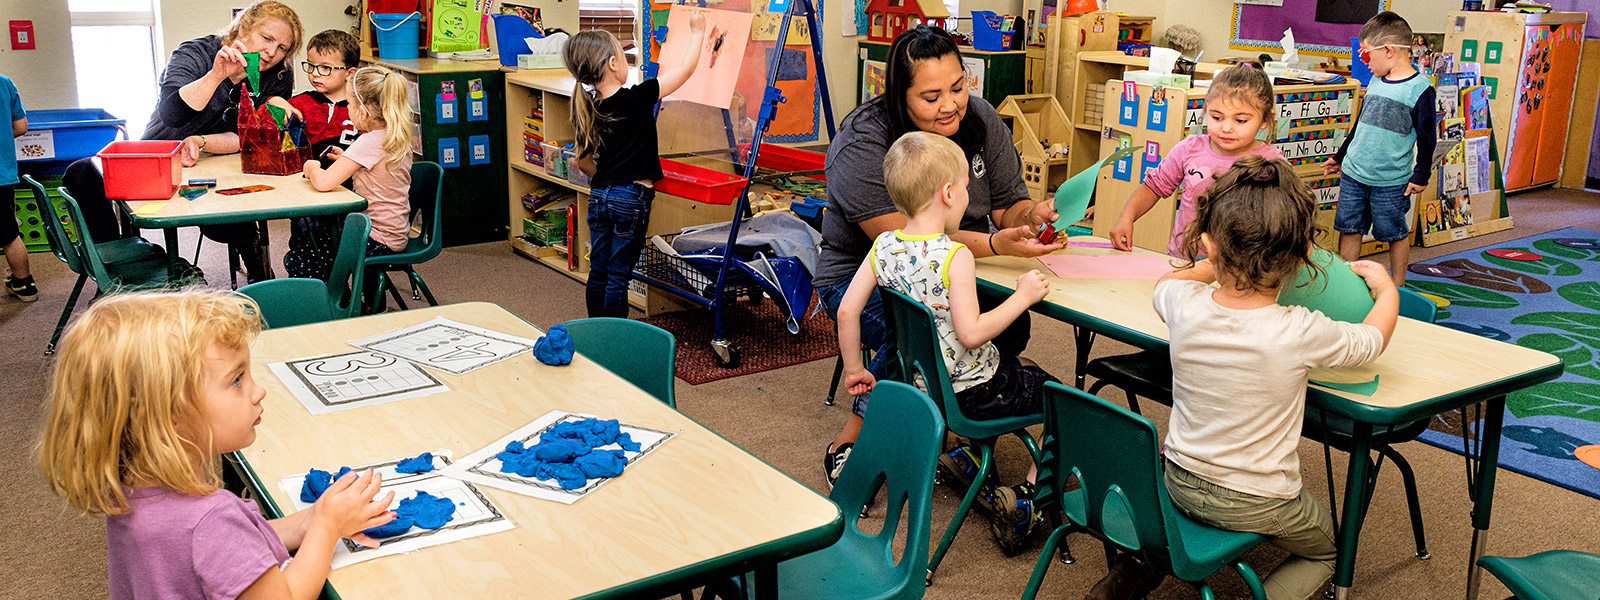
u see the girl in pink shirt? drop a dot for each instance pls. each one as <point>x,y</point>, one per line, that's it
<point>148,389</point>
<point>379,161</point>
<point>1238,107</point>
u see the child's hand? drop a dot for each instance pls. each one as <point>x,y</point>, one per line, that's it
<point>1043,212</point>
<point>1412,188</point>
<point>859,383</point>
<point>1032,286</point>
<point>1122,235</point>
<point>284,104</point>
<point>1376,276</point>
<point>1330,167</point>
<point>333,152</point>
<point>697,22</point>
<point>349,507</point>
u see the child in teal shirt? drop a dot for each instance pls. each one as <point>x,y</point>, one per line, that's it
<point>19,282</point>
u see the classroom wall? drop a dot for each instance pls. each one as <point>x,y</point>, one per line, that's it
<point>184,20</point>
<point>1214,19</point>
<point>45,76</point>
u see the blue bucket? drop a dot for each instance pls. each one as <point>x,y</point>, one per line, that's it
<point>399,34</point>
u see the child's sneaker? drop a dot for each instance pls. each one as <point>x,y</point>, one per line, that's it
<point>959,467</point>
<point>1014,519</point>
<point>22,288</point>
<point>833,462</point>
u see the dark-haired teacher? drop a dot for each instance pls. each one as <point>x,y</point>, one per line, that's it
<point>926,91</point>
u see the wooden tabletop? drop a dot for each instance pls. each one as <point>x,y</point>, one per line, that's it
<point>292,196</point>
<point>693,502</point>
<point>1425,366</point>
<point>429,64</point>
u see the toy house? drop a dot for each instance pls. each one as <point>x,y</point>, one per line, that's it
<point>887,18</point>
<point>1040,131</point>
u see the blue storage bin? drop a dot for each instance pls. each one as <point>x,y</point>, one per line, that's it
<point>77,132</point>
<point>511,33</point>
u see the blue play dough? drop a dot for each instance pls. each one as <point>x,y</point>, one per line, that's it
<point>422,510</point>
<point>399,525</point>
<point>555,347</point>
<point>568,452</point>
<point>317,482</point>
<point>421,464</point>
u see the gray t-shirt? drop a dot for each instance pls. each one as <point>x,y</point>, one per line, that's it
<point>856,192</point>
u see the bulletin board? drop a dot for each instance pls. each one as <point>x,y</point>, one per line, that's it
<point>796,120</point>
<point>1321,27</point>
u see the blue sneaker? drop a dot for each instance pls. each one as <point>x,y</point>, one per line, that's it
<point>1014,519</point>
<point>959,467</point>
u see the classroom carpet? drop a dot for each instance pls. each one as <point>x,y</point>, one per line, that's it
<point>756,329</point>
<point>1540,292</point>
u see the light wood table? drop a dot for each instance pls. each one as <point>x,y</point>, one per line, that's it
<point>696,509</point>
<point>291,196</point>
<point>1426,370</point>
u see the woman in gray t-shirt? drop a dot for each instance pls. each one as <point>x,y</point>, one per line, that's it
<point>926,91</point>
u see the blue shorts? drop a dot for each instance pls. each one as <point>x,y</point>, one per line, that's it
<point>1383,209</point>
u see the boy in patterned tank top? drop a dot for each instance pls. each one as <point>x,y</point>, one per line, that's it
<point>926,177</point>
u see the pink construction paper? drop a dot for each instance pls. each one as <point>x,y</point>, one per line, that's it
<point>1090,244</point>
<point>1107,266</point>
<point>713,81</point>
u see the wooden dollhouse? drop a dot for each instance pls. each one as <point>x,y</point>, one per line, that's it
<point>1040,130</point>
<point>887,18</point>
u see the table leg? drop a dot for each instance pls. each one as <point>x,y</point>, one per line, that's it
<point>1084,342</point>
<point>171,235</point>
<point>1483,492</point>
<point>766,582</point>
<point>1356,485</point>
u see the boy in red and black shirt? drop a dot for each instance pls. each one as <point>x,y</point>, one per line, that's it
<point>331,59</point>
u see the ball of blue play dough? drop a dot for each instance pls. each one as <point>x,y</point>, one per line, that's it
<point>1338,292</point>
<point>422,463</point>
<point>555,347</point>
<point>317,482</point>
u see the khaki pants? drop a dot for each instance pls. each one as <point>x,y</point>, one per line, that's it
<point>1300,525</point>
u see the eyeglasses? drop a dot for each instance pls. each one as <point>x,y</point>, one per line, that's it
<point>323,70</point>
<point>1366,53</point>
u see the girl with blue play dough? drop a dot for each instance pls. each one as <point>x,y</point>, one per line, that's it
<point>147,390</point>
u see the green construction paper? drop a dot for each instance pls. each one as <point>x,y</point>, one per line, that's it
<point>1339,293</point>
<point>1074,195</point>
<point>252,70</point>
<point>1364,388</point>
<point>278,115</point>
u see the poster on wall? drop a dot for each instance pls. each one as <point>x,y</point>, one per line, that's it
<point>872,79</point>
<point>1257,27</point>
<point>974,67</point>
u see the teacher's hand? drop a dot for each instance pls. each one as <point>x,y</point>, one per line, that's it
<point>230,62</point>
<point>1021,241</point>
<point>190,152</point>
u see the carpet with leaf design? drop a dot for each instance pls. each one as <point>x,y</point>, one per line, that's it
<point>1540,292</point>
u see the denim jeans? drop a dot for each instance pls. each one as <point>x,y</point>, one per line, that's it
<point>618,216</point>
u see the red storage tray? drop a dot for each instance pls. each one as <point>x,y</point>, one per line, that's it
<point>785,159</point>
<point>699,183</point>
<point>141,170</point>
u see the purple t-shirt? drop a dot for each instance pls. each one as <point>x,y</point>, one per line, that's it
<point>1192,163</point>
<point>171,545</point>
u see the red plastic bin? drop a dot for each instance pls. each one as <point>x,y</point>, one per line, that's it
<point>699,183</point>
<point>785,159</point>
<point>141,170</point>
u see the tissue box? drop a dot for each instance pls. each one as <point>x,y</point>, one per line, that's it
<point>539,61</point>
<point>1145,77</point>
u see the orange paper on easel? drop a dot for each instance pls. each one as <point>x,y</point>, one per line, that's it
<point>721,58</point>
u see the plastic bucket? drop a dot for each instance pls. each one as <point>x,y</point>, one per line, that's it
<point>141,170</point>
<point>399,34</point>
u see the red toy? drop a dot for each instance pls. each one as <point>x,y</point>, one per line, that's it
<point>264,148</point>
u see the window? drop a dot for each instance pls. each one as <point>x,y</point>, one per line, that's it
<point>113,49</point>
<point>615,16</point>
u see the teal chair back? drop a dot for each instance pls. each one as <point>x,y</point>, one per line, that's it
<point>290,301</point>
<point>54,231</point>
<point>84,247</point>
<point>1416,306</point>
<point>1548,575</point>
<point>427,199</point>
<point>641,353</point>
<point>1122,496</point>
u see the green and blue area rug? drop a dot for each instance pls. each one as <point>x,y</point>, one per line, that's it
<point>1540,292</point>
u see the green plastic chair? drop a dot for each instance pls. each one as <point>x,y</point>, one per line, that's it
<point>1122,497</point>
<point>1549,575</point>
<point>130,275</point>
<point>126,250</point>
<point>912,330</point>
<point>639,352</point>
<point>898,450</point>
<point>427,201</point>
<point>291,301</point>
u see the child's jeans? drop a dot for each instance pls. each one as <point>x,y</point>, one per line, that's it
<point>618,216</point>
<point>1300,525</point>
<point>1383,208</point>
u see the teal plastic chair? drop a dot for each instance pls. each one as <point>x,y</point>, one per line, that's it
<point>1549,575</point>
<point>1122,497</point>
<point>1339,432</point>
<point>126,250</point>
<point>130,274</point>
<point>291,301</point>
<point>427,203</point>
<point>912,330</point>
<point>639,352</point>
<point>898,450</point>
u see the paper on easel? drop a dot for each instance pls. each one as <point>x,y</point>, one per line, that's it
<point>1290,54</point>
<point>721,59</point>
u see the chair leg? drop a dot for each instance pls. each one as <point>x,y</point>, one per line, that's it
<point>380,284</point>
<point>1133,402</point>
<point>394,292</point>
<point>985,465</point>
<point>418,283</point>
<point>1257,591</point>
<point>1094,390</point>
<point>838,372</point>
<point>233,267</point>
<point>1040,566</point>
<point>66,313</point>
<point>1410,480</point>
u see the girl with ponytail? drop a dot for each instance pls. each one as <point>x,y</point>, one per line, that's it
<point>379,161</point>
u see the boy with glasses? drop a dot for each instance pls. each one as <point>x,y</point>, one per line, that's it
<point>331,60</point>
<point>1390,146</point>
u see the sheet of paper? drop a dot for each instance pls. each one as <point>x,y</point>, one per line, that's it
<point>721,60</point>
<point>1479,177</point>
<point>325,384</point>
<point>1073,197</point>
<point>483,468</point>
<point>1290,53</point>
<point>1107,266</point>
<point>449,346</point>
<point>475,514</point>
<point>149,208</point>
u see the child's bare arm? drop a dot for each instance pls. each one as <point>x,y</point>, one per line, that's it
<point>858,380</point>
<point>327,180</point>
<point>670,81</point>
<point>1385,298</point>
<point>346,508</point>
<point>1142,200</point>
<point>19,127</point>
<point>972,327</point>
<point>1202,271</point>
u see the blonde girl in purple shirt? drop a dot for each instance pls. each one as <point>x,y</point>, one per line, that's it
<point>1238,106</point>
<point>147,391</point>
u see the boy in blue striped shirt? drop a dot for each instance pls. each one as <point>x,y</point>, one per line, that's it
<point>1396,127</point>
